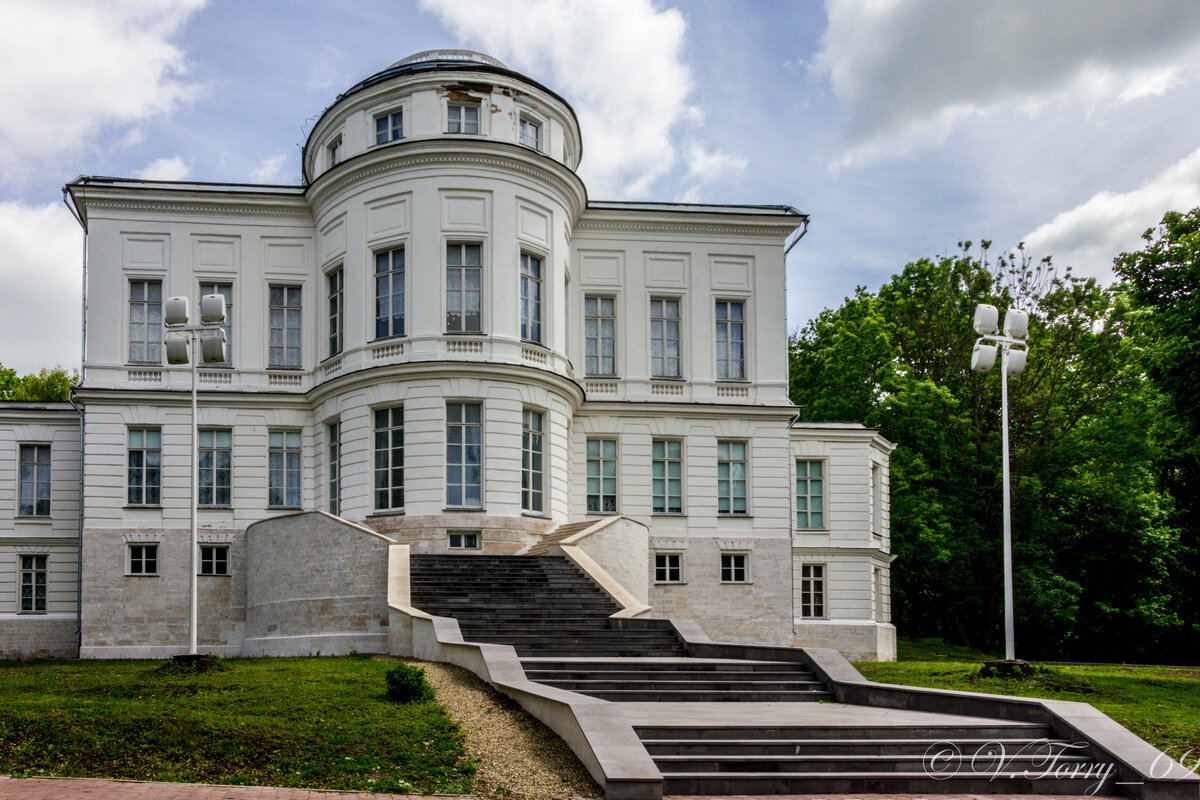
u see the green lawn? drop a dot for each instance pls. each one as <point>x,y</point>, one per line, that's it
<point>1159,704</point>
<point>312,722</point>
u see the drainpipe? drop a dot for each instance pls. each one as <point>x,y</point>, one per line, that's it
<point>79,410</point>
<point>792,524</point>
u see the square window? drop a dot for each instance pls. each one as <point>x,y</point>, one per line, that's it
<point>668,568</point>
<point>462,118</point>
<point>464,540</point>
<point>214,559</point>
<point>389,127</point>
<point>143,559</point>
<point>735,568</point>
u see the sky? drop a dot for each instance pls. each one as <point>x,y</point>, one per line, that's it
<point>901,127</point>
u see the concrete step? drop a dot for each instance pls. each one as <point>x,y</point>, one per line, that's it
<point>661,684</point>
<point>759,783</point>
<point>875,764</point>
<point>1006,730</point>
<point>845,747</point>
<point>689,695</point>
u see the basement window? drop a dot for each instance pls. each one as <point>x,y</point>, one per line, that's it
<point>464,540</point>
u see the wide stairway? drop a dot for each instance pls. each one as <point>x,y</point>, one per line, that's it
<point>541,605</point>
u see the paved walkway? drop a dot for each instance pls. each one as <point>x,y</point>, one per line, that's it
<point>96,789</point>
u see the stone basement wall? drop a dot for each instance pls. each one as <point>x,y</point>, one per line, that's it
<point>317,585</point>
<point>500,536</point>
<point>38,637</point>
<point>855,640</point>
<point>622,549</point>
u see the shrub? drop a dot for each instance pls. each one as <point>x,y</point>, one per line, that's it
<point>407,684</point>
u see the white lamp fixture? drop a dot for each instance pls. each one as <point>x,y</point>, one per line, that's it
<point>983,357</point>
<point>986,318</point>
<point>175,311</point>
<point>1016,324</point>
<point>212,309</point>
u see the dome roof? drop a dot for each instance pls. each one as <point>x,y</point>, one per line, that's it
<point>455,57</point>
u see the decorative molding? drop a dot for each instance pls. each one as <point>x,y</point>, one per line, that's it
<point>147,536</point>
<point>33,549</point>
<point>662,544</point>
<point>733,391</point>
<point>454,346</point>
<point>690,228</point>
<point>196,208</point>
<point>736,545</point>
<point>601,387</point>
<point>278,379</point>
<point>215,538</point>
<point>387,350</point>
<point>666,389</point>
<point>145,376</point>
<point>331,367</point>
<point>536,356</point>
<point>214,378</point>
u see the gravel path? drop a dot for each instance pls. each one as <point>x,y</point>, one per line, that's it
<point>518,756</point>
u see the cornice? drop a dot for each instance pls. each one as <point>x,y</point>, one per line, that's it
<point>773,231</point>
<point>182,397</point>
<point>176,206</point>
<point>651,408</point>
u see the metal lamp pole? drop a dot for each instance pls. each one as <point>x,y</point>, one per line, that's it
<point>182,350</point>
<point>1014,352</point>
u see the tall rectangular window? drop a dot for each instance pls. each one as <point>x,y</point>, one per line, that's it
<point>337,311</point>
<point>462,118</point>
<point>215,466</point>
<point>389,293</point>
<point>731,340</point>
<point>464,288</point>
<point>531,460</point>
<point>810,494</point>
<point>284,326</point>
<point>144,460</point>
<point>214,559</point>
<point>735,568</point>
<point>664,338</point>
<point>812,591</point>
<point>283,469</point>
<point>602,476</point>
<point>389,458</point>
<point>226,291</point>
<point>731,477</point>
<point>600,336</point>
<point>667,476</point>
<point>876,501</point>
<point>143,559</point>
<point>531,298</point>
<point>334,151</point>
<point>34,480</point>
<point>33,584</point>
<point>464,455</point>
<point>881,614</point>
<point>145,322</point>
<point>333,432</point>
<point>668,568</point>
<point>530,133</point>
<point>389,127</point>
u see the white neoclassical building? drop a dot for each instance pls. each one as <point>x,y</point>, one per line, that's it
<point>439,336</point>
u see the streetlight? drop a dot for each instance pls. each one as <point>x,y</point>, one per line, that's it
<point>983,357</point>
<point>181,350</point>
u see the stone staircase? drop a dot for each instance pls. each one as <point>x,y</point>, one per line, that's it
<point>561,533</point>
<point>541,605</point>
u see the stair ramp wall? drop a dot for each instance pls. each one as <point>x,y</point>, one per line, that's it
<point>613,551</point>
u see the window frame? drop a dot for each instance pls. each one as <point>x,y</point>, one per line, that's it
<point>601,459</point>
<point>599,337</point>
<point>463,443</point>
<point>397,285</point>
<point>462,106</point>
<point>286,308</point>
<point>728,325</point>
<point>392,454</point>
<point>733,567</point>
<point>214,450</point>
<point>333,449</point>
<point>533,500</point>
<point>147,304</point>
<point>389,118</point>
<point>876,491</point>
<point>286,451</point>
<point>808,497</point>
<point>524,121</point>
<point>462,538</point>
<point>667,460</point>
<point>814,595</point>
<point>333,151</point>
<point>531,297</point>
<point>38,566</point>
<point>335,298</point>
<point>144,484</point>
<point>662,373</point>
<point>148,552</point>
<point>227,325</point>
<point>462,290</point>
<point>38,466</point>
<point>213,561</point>
<point>662,572</point>
<point>731,496</point>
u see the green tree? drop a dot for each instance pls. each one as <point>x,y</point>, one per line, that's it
<point>44,385</point>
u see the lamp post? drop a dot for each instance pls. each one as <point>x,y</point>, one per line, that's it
<point>1014,351</point>
<point>181,350</point>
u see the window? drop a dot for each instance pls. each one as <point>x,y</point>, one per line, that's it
<point>668,568</point>
<point>143,559</point>
<point>34,493</point>
<point>33,584</point>
<point>667,476</point>
<point>600,336</point>
<point>215,465</point>
<point>880,599</point>
<point>810,494</point>
<point>602,476</point>
<point>464,540</point>
<point>226,291</point>
<point>334,149</point>
<point>464,288</point>
<point>337,311</point>
<point>284,326</point>
<point>530,133</point>
<point>461,118</point>
<point>531,461</point>
<point>389,127</point>
<point>145,467</point>
<point>389,293</point>
<point>664,338</point>
<point>735,568</point>
<point>812,591</point>
<point>145,322</point>
<point>389,458</point>
<point>214,559</point>
<point>731,340</point>
<point>464,455</point>
<point>731,477</point>
<point>283,469</point>
<point>531,298</point>
<point>876,501</point>
<point>334,431</point>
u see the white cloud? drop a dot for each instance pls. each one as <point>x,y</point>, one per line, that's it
<point>269,170</point>
<point>41,256</point>
<point>908,71</point>
<point>72,67</point>
<point>165,169</point>
<point>618,62</point>
<point>1089,236</point>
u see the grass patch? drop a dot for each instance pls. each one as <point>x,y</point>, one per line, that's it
<point>320,723</point>
<point>1159,704</point>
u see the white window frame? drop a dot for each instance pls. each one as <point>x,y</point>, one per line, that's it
<point>459,126</point>
<point>335,295</point>
<point>42,475</point>
<point>145,485</point>
<point>814,594</point>
<point>213,451</point>
<point>662,323</point>
<point>396,278</point>
<point>667,460</point>
<point>723,335</point>
<point>529,132</point>
<point>152,329</point>
<point>389,119</point>
<point>145,555</point>
<point>533,461</point>
<point>333,447</point>
<point>593,332</point>
<point>463,269</point>
<point>663,568</point>
<point>464,427</point>
<point>31,566</point>
<point>876,500</point>
<point>218,567</point>
<point>286,308</point>
<point>459,540</point>
<point>808,496</point>
<point>386,489</point>
<point>731,567</point>
<point>600,460</point>
<point>725,446</point>
<point>879,612</point>
<point>293,463</point>
<point>225,289</point>
<point>333,151</point>
<point>531,295</point>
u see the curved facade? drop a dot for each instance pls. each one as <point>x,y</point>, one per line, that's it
<point>440,337</point>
